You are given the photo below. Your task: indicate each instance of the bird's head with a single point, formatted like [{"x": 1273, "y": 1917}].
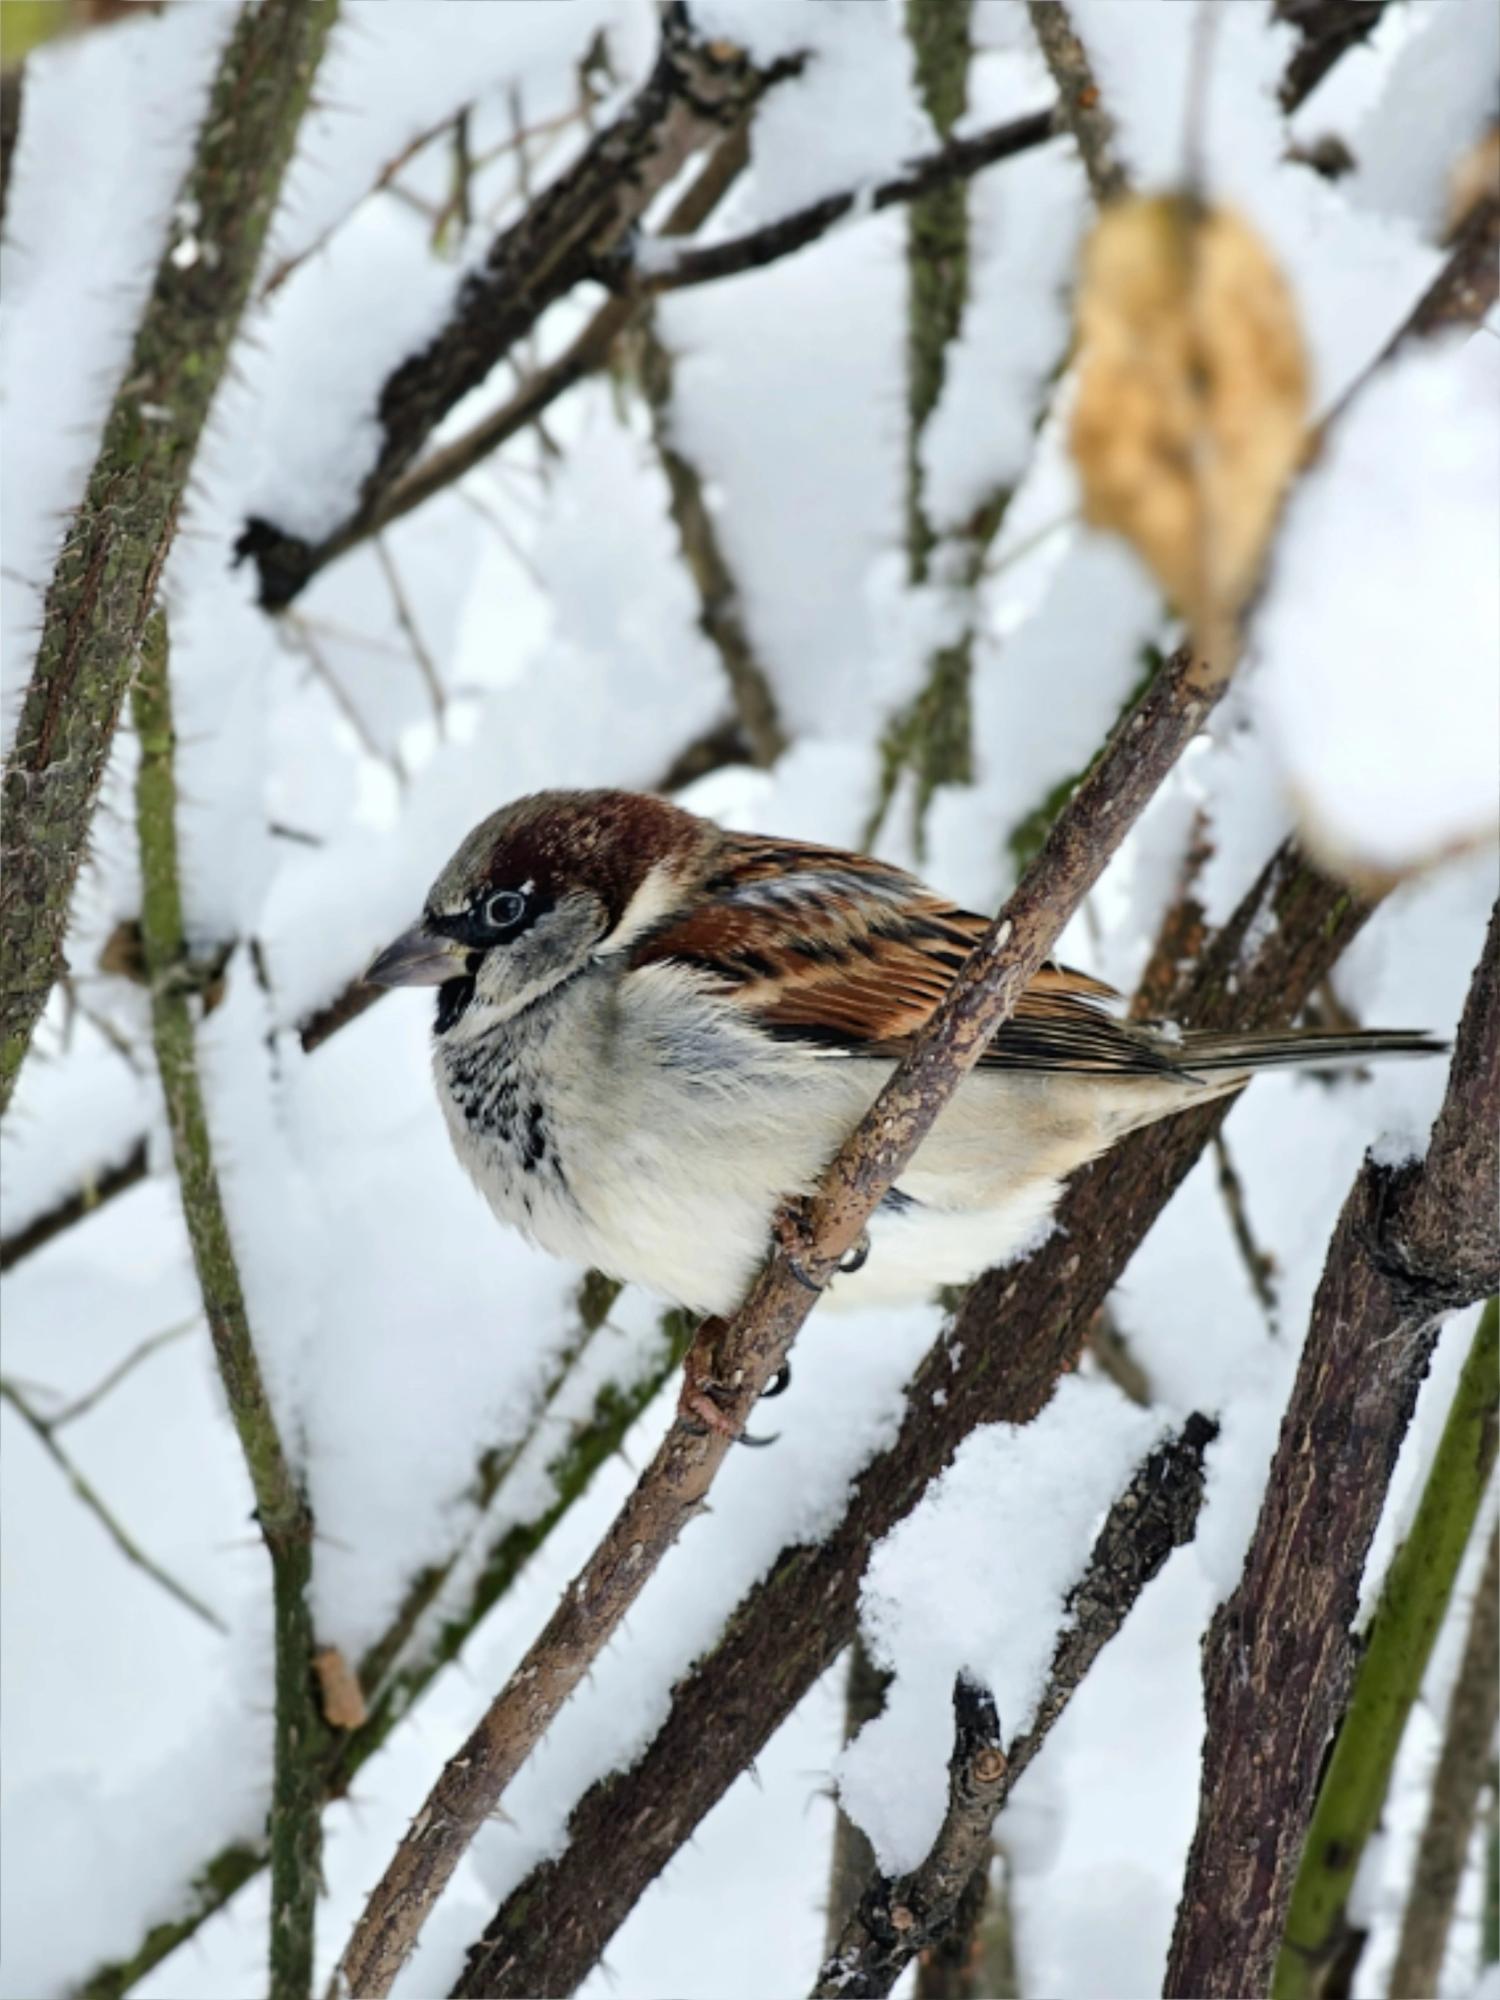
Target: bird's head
[{"x": 539, "y": 891}]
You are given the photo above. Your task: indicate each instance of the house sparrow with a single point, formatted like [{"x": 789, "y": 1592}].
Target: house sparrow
[{"x": 650, "y": 1032}]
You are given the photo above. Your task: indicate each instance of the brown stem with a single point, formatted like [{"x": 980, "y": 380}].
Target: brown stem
[
  {"x": 1413, "y": 1243},
  {"x": 1082, "y": 107},
  {"x": 893, "y": 1921},
  {"x": 956, "y": 161},
  {"x": 1016, "y": 1332},
  {"x": 812, "y": 1239},
  {"x": 104, "y": 583}
]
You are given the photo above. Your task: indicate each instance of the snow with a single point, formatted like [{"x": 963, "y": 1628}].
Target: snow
[
  {"x": 974, "y": 1581},
  {"x": 1379, "y": 638},
  {"x": 328, "y": 765}
]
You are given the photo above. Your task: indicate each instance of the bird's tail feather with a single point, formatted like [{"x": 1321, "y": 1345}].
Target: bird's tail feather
[{"x": 1277, "y": 1047}]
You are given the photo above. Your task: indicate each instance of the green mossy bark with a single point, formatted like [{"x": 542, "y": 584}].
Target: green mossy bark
[
  {"x": 1413, "y": 1603},
  {"x": 303, "y": 1738},
  {"x": 931, "y": 736},
  {"x": 104, "y": 583}
]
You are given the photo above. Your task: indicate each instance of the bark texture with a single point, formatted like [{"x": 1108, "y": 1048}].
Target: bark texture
[
  {"x": 104, "y": 583},
  {"x": 1414, "y": 1242}
]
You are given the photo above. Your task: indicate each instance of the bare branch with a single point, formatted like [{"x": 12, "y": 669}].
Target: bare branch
[
  {"x": 1327, "y": 30},
  {"x": 958, "y": 160},
  {"x": 721, "y": 616},
  {"x": 894, "y": 1921},
  {"x": 104, "y": 582},
  {"x": 42, "y": 1429},
  {"x": 813, "y": 1238},
  {"x": 1082, "y": 107},
  {"x": 1414, "y": 1242},
  {"x": 1017, "y": 1331}
]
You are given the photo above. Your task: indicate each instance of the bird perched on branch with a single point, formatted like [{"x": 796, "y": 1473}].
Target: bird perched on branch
[{"x": 650, "y": 1032}]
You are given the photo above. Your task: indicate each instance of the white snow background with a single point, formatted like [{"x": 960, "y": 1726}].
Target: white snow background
[{"x": 327, "y": 767}]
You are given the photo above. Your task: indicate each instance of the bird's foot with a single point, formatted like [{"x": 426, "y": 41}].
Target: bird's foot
[
  {"x": 856, "y": 1256},
  {"x": 701, "y": 1403}
]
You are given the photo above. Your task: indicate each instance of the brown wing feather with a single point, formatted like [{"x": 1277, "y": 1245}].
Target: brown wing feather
[{"x": 836, "y": 949}]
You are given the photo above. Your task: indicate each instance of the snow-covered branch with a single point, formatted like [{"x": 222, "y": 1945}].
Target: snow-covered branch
[{"x": 895, "y": 1920}]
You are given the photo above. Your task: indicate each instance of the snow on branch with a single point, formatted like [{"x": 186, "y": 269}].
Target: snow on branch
[{"x": 895, "y": 1920}]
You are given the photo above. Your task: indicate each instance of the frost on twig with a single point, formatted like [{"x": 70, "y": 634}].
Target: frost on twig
[
  {"x": 1414, "y": 1242},
  {"x": 105, "y": 579},
  {"x": 1018, "y": 1330},
  {"x": 280, "y": 1507},
  {"x": 1083, "y": 109},
  {"x": 895, "y": 1920},
  {"x": 812, "y": 1239}
]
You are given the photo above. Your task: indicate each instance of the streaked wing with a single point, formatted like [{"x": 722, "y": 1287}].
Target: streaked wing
[{"x": 831, "y": 948}]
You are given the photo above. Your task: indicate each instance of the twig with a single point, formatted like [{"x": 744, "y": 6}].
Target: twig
[
  {"x": 1260, "y": 1265},
  {"x": 1457, "y": 1783},
  {"x": 42, "y": 1428},
  {"x": 80, "y": 1405},
  {"x": 1414, "y": 1600},
  {"x": 1016, "y": 1332},
  {"x": 721, "y": 612},
  {"x": 281, "y": 1510},
  {"x": 958, "y": 160},
  {"x": 812, "y": 1239},
  {"x": 71, "y": 1208},
  {"x": 852, "y": 1859},
  {"x": 105, "y": 578},
  {"x": 287, "y": 564},
  {"x": 12, "y": 96},
  {"x": 893, "y": 1921},
  {"x": 432, "y": 680},
  {"x": 1413, "y": 1243},
  {"x": 696, "y": 91},
  {"x": 587, "y": 352},
  {"x": 1082, "y": 107}
]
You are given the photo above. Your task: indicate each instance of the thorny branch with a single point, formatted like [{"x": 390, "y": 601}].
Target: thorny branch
[
  {"x": 895, "y": 1920},
  {"x": 998, "y": 1362},
  {"x": 280, "y": 1507},
  {"x": 1414, "y": 1243},
  {"x": 812, "y": 1240},
  {"x": 105, "y": 580}
]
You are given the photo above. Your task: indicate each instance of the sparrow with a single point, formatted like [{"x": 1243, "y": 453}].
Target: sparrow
[{"x": 650, "y": 1032}]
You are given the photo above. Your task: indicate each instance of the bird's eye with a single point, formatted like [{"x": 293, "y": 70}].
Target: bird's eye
[{"x": 504, "y": 910}]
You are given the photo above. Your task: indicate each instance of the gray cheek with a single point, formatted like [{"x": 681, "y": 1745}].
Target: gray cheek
[{"x": 559, "y": 943}]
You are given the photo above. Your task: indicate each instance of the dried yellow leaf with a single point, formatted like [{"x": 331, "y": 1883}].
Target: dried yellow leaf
[
  {"x": 1191, "y": 413},
  {"x": 342, "y": 1697}
]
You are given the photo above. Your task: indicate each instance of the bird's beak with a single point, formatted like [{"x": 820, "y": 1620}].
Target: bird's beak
[{"x": 419, "y": 957}]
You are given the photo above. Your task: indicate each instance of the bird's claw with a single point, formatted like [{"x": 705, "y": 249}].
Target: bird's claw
[{"x": 856, "y": 1256}]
